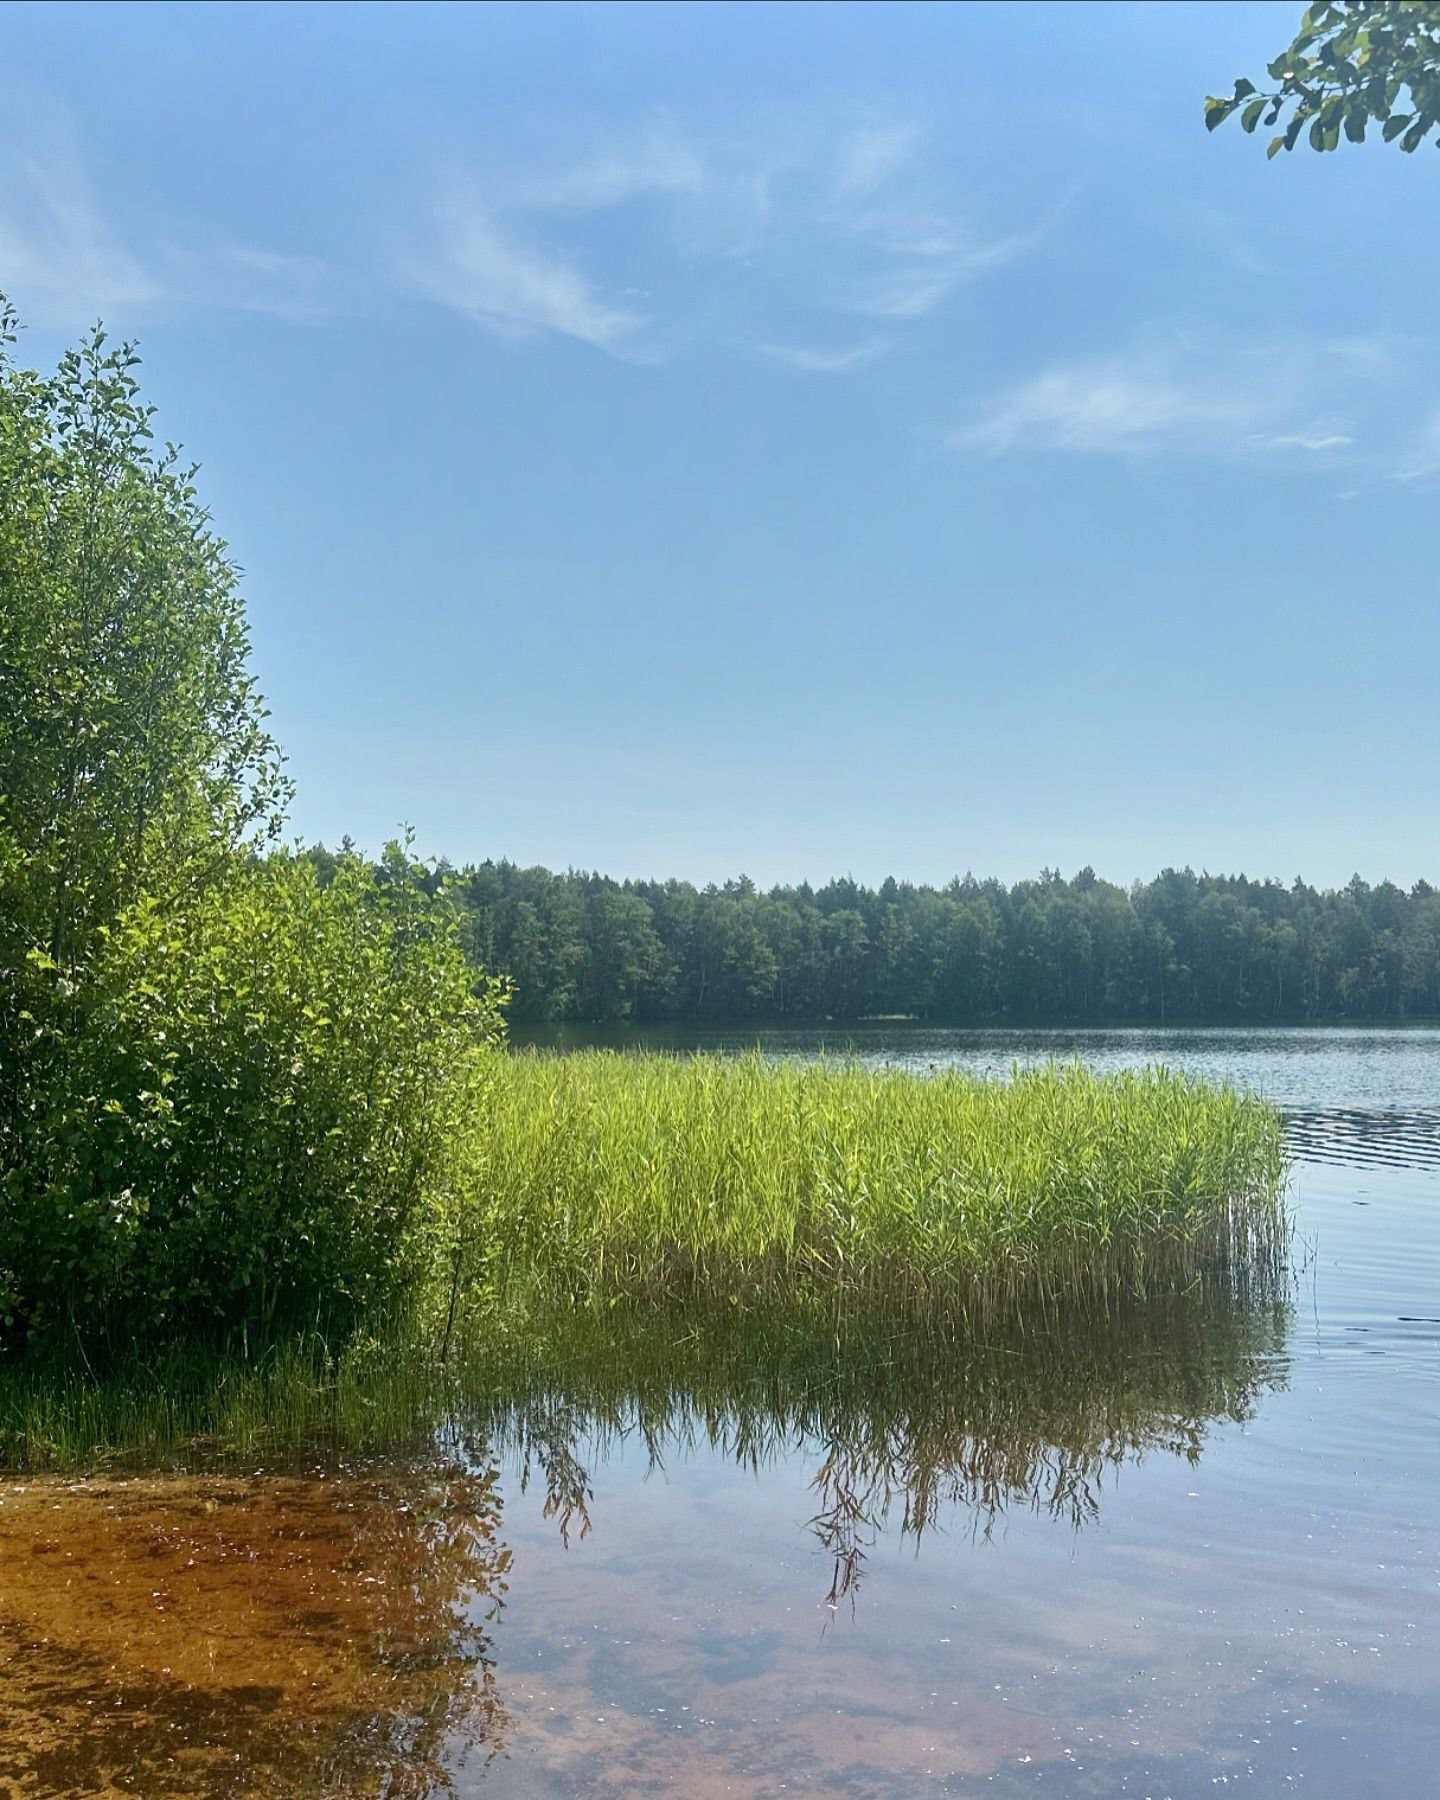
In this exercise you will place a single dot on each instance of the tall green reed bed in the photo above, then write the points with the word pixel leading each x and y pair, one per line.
pixel 649 1179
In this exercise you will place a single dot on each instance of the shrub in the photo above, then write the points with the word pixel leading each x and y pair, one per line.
pixel 268 1117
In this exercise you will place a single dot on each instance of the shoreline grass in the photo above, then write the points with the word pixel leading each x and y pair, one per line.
pixel 646 1179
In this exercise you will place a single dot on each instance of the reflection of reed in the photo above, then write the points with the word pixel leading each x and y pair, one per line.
pixel 1365 1136
pixel 549 1445
pixel 926 1423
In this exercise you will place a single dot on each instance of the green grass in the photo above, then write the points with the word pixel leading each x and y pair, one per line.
pixel 188 1407
pixel 647 1179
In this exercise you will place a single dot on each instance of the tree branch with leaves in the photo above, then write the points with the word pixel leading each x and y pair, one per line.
pixel 1353 64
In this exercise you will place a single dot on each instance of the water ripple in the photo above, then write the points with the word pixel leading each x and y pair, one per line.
pixel 1365 1137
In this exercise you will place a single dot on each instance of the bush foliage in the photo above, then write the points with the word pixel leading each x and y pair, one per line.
pixel 231 1100
pixel 264 1118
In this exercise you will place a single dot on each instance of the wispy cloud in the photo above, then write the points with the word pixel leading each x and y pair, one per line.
pixel 59 256
pixel 871 158
pixel 922 272
pixel 888 197
pixel 65 261
pixel 812 237
pixel 904 293
pixel 1302 440
pixel 1420 459
pixel 658 162
pixel 1184 391
pixel 819 361
pixel 245 279
pixel 513 288
pixel 785 220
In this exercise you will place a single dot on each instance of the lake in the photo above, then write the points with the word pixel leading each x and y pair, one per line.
pixel 1190 1548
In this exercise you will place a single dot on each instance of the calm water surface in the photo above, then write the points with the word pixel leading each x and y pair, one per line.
pixel 1191 1550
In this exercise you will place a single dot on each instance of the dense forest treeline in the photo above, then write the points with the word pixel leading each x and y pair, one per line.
pixel 1183 947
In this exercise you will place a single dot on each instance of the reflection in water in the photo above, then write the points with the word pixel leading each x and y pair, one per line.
pixel 905 1426
pixel 330 1634
pixel 1365 1136
pixel 227 1635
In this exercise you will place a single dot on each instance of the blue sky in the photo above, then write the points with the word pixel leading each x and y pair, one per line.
pixel 805 440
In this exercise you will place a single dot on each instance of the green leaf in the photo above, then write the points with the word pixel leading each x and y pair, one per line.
pixel 1413 137
pixel 1250 118
pixel 1393 127
pixel 1244 89
pixel 1217 112
pixel 1276 145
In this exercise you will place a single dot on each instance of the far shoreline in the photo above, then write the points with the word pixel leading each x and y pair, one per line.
pixel 531 1032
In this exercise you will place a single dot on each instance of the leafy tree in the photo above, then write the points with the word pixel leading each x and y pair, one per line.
pixel 134 759
pixel 133 751
pixel 1352 64
pixel 239 1093
pixel 625 957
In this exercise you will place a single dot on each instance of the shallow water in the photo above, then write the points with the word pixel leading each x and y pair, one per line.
pixel 1192 1549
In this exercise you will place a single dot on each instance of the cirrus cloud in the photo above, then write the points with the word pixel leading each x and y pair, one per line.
pixel 1187 390
pixel 764 235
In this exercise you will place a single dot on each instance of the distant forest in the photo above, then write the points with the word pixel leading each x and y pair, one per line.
pixel 1180 948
